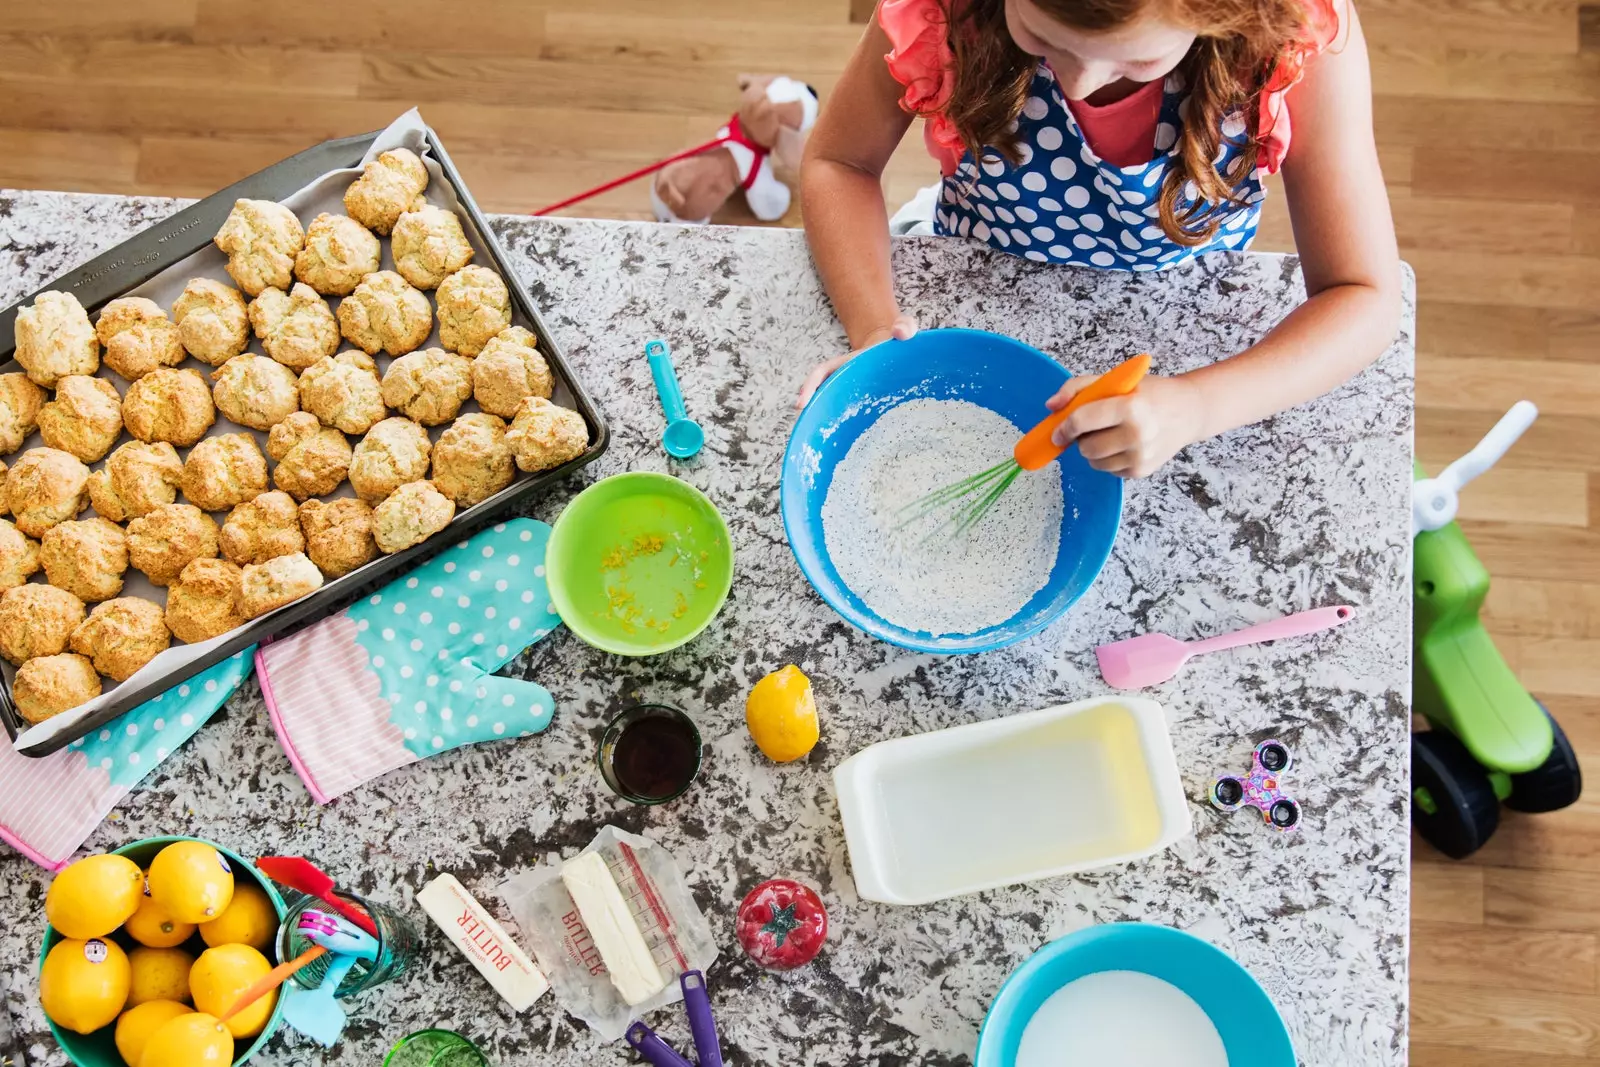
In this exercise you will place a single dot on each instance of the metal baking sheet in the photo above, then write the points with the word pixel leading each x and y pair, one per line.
pixel 156 263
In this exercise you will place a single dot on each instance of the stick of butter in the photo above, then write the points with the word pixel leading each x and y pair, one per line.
pixel 616 935
pixel 483 941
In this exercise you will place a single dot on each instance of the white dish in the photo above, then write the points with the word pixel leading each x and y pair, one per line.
pixel 1030 796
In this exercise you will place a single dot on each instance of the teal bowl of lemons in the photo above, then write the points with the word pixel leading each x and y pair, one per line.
pixel 126 981
pixel 639 563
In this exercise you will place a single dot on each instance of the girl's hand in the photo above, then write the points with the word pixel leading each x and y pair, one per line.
pixel 903 327
pixel 1132 435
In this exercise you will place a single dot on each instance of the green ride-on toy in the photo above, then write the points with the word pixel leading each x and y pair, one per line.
pixel 1491 742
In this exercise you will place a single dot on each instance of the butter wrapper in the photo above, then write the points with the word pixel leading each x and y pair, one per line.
pixel 483 941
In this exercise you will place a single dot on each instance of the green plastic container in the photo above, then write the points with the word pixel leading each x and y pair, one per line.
pixel 639 563
pixel 99 1049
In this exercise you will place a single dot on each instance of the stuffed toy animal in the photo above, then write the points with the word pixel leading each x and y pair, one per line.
pixel 761 148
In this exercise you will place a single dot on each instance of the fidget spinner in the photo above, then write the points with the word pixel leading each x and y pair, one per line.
pixel 1260 788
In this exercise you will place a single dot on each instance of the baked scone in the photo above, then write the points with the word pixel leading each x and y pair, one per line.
pixel 19 556
pixel 474 305
pixel 394 452
pixel 312 458
pixel 429 246
pixel 261 239
pixel 137 479
pixel 164 542
pixel 169 405
pixel 509 368
pixel 410 515
pixel 213 323
pixel 54 339
pixel 429 386
pixel 138 337
pixel 339 252
pixel 338 534
pixel 343 391
pixel 263 529
pixel 20 401
pixel 44 487
pixel 472 461
pixel 385 314
pixel 296 328
pixel 281 580
pixel 545 435
pixel 37 620
pixel 86 557
pixel 122 635
pixel 388 187
pixel 85 418
pixel 255 391
pixel 223 471
pixel 5 508
pixel 49 685
pixel 204 603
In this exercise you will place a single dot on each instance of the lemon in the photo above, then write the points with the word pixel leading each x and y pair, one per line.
pixel 782 715
pixel 192 1040
pixel 151 926
pixel 191 881
pixel 84 984
pixel 94 896
pixel 249 920
pixel 136 1025
pixel 224 972
pixel 158 974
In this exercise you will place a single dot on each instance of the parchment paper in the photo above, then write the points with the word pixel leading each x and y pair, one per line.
pixel 326 194
pixel 543 908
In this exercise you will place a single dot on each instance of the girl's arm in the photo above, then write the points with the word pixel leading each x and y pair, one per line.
pixel 841 195
pixel 1345 236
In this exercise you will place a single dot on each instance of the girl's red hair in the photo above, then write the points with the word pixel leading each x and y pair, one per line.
pixel 1247 53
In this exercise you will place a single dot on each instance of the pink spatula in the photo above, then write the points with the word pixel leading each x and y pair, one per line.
pixel 1153 658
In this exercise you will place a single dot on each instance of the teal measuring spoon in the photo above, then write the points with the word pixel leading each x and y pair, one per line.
pixel 683 436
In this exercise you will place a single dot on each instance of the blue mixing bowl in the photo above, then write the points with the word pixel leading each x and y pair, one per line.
pixel 995 372
pixel 1247 1021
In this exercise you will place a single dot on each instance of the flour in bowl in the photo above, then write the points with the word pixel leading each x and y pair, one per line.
pixel 920 577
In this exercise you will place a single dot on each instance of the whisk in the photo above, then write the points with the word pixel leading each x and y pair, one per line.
pixel 971 498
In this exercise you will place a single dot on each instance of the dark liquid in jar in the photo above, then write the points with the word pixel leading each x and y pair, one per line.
pixel 655 757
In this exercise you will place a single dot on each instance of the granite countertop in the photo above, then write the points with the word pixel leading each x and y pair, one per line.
pixel 1309 508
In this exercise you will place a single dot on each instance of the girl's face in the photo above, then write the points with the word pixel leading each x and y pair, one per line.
pixel 1142 50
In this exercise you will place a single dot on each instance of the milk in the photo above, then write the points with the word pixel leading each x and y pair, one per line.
pixel 1124 1018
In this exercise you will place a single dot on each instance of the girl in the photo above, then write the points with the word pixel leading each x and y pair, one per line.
pixel 1128 135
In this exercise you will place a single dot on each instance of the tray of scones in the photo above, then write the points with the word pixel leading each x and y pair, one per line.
pixel 235 421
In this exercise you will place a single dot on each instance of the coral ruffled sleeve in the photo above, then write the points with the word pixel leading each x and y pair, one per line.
pixel 1275 125
pixel 920 59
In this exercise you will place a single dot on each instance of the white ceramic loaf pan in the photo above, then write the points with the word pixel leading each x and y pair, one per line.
pixel 1029 796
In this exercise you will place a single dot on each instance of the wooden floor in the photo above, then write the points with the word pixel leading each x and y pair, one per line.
pixel 1488 113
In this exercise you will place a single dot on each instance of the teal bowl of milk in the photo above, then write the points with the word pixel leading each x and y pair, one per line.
pixel 1136 995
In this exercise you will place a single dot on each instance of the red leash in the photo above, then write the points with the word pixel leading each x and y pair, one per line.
pixel 735 134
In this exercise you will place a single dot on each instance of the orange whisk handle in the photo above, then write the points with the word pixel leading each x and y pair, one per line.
pixel 1036 449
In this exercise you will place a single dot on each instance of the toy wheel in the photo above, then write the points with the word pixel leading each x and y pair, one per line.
pixel 1554 784
pixel 1273 756
pixel 1453 806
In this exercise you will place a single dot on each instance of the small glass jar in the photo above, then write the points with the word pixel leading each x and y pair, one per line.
pixel 435 1048
pixel 398 945
pixel 650 754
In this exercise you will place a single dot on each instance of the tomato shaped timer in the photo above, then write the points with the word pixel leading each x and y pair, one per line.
pixel 782 924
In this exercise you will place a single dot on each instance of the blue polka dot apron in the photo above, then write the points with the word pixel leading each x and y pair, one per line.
pixel 1062 203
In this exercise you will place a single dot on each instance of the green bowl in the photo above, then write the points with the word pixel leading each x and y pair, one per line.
pixel 639 563
pixel 99 1049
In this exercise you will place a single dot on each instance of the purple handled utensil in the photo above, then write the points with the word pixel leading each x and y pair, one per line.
pixel 646 1042
pixel 697 1002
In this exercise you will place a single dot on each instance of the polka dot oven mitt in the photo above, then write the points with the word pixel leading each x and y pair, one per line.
pixel 408 672
pixel 51 805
